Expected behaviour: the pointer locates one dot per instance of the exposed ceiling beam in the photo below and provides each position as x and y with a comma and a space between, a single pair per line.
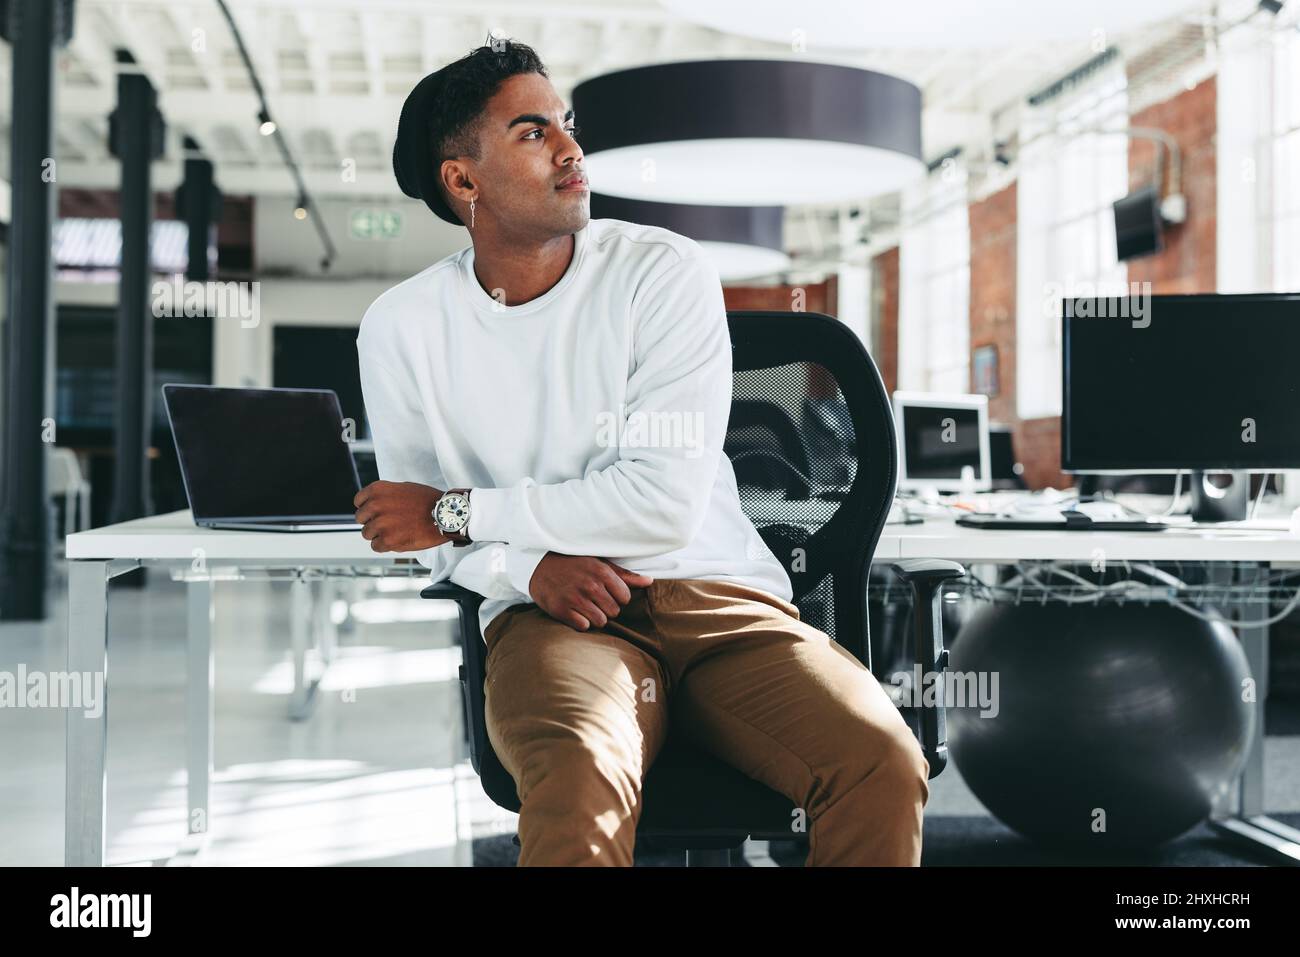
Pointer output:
639, 12
128, 34
259, 180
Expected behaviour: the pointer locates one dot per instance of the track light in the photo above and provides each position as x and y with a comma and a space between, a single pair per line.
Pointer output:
267, 127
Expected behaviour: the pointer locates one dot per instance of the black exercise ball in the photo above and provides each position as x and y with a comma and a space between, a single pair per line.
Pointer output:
1117, 726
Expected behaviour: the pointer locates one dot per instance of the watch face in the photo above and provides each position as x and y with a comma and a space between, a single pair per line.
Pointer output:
452, 512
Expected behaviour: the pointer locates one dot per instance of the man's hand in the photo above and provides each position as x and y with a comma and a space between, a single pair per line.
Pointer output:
398, 516
583, 592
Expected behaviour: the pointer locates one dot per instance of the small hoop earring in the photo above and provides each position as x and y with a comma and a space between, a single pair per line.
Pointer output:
471, 214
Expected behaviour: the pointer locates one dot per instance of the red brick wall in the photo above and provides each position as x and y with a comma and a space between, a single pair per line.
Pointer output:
884, 284
1187, 263
1038, 446
818, 297
993, 293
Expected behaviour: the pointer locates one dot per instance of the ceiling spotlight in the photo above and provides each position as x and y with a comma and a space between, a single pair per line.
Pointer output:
267, 126
300, 210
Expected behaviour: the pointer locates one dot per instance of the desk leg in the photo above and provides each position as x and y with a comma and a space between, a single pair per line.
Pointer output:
301, 627
326, 630
351, 590
198, 702
87, 737
1250, 825
1254, 642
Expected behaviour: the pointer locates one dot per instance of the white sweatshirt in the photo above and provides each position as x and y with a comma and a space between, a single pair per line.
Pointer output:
587, 421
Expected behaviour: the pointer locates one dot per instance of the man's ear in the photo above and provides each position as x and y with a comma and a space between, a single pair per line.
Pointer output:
455, 178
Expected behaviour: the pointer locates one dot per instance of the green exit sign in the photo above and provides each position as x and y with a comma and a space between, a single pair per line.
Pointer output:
375, 224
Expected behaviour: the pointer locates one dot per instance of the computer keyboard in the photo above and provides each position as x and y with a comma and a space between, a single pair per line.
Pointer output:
1064, 520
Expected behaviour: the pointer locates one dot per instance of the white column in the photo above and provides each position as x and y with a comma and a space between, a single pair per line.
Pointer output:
853, 282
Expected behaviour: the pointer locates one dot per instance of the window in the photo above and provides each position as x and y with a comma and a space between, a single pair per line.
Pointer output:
934, 285
92, 248
1285, 211
1071, 171
1258, 126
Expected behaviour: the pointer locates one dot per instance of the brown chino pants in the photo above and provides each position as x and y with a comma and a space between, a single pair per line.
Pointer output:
577, 718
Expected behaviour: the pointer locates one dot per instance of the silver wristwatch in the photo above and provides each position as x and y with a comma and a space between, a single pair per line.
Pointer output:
451, 515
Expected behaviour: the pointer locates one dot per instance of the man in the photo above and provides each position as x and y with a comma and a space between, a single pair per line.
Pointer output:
548, 408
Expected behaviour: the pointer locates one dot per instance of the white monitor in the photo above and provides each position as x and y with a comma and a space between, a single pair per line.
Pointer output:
938, 435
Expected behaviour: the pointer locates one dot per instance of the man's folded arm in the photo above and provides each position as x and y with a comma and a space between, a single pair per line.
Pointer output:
654, 497
494, 569
491, 569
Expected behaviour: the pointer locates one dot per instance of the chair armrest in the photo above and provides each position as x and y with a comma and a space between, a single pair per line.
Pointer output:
926, 576
451, 591
913, 570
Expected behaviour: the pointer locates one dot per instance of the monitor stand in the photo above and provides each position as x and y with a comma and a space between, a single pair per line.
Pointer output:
1210, 503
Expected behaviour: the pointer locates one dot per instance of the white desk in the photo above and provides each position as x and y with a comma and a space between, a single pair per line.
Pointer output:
199, 556
203, 555
1258, 546
943, 539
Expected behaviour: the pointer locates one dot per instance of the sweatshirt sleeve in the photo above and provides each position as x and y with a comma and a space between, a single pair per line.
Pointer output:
653, 498
404, 453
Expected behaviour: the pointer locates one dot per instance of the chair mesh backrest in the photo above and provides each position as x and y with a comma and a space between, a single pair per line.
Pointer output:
811, 440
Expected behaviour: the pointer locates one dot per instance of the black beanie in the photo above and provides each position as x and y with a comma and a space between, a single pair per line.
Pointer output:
413, 160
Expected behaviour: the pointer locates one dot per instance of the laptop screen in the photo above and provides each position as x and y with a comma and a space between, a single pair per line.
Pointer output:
262, 453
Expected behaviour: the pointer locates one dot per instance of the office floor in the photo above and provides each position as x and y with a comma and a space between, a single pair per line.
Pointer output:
377, 775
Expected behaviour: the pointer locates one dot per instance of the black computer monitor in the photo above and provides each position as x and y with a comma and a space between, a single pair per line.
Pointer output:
321, 357
85, 384
1181, 382
1005, 469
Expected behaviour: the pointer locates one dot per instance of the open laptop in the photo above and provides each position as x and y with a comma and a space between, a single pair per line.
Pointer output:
264, 459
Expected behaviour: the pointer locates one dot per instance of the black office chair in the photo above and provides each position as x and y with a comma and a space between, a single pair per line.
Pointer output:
692, 801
